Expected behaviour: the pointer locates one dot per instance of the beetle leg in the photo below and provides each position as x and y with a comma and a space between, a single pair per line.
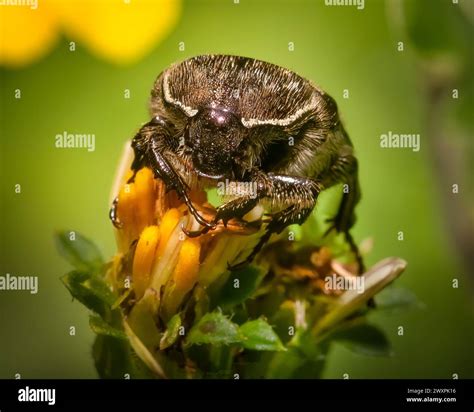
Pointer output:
279, 222
235, 208
199, 232
173, 180
150, 146
345, 170
299, 196
139, 145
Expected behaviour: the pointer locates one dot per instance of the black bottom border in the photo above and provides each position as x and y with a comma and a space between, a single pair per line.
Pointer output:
84, 393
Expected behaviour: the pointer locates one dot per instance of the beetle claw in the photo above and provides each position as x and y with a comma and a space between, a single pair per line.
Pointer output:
196, 233
200, 219
224, 221
113, 216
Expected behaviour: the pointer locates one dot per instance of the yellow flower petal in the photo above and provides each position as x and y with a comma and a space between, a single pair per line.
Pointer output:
126, 209
136, 207
122, 31
167, 225
143, 259
185, 274
145, 201
26, 34
184, 277
126, 204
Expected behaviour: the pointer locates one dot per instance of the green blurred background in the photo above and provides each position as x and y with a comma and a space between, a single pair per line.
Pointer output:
336, 47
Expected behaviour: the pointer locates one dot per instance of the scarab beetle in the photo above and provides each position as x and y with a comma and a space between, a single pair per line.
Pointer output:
227, 117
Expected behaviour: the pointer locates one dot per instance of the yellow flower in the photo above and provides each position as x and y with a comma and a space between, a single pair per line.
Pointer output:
166, 264
26, 34
120, 31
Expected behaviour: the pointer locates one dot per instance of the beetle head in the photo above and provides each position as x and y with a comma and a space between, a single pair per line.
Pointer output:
213, 136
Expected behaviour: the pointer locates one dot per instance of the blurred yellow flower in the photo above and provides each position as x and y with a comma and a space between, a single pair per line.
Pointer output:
120, 31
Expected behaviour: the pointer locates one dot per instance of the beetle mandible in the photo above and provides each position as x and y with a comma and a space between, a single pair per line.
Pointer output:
229, 117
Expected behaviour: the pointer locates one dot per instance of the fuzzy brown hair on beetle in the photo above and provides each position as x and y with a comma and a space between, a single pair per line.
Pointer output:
220, 117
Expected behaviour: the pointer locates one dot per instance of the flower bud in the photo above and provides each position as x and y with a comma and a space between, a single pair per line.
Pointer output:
143, 260
126, 212
145, 197
184, 277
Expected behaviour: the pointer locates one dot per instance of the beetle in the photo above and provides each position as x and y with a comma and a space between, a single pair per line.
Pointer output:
220, 117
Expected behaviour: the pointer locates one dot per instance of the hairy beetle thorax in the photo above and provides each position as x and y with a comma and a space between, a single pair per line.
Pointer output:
255, 91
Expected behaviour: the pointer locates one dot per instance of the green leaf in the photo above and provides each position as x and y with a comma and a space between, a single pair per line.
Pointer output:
293, 364
82, 253
171, 334
240, 286
115, 359
100, 327
259, 335
363, 338
395, 298
111, 357
214, 328
305, 358
307, 345
90, 291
